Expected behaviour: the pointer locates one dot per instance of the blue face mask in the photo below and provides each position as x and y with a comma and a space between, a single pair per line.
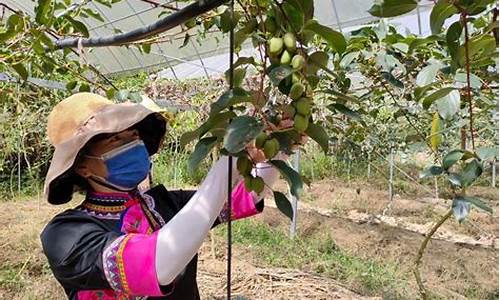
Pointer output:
127, 166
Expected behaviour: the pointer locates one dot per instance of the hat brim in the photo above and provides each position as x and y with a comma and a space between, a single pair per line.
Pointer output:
60, 179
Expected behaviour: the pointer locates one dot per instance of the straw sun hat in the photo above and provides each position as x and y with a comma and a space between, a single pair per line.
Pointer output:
76, 120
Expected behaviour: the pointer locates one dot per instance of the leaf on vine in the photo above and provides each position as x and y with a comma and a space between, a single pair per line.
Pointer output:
283, 204
240, 132
279, 73
440, 12
340, 96
232, 97
455, 179
436, 127
452, 157
43, 11
471, 172
460, 208
486, 153
291, 176
201, 150
477, 202
146, 48
392, 8
431, 171
335, 39
295, 16
337, 107
449, 105
392, 80
318, 134
78, 26
211, 123
427, 102
21, 70
317, 60
428, 74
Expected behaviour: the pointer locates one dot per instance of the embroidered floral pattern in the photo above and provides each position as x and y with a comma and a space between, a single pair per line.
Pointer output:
110, 264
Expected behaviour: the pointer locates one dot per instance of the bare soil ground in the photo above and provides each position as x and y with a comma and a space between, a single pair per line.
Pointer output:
453, 270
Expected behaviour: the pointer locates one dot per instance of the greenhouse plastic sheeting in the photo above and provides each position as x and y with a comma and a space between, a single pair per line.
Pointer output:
209, 56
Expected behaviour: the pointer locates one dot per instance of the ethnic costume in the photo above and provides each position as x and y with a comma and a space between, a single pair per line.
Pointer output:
119, 243
104, 248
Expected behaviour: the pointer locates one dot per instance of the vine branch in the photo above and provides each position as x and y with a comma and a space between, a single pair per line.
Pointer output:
418, 260
463, 17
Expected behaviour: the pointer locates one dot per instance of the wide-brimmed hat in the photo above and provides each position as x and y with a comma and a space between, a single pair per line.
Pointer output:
76, 120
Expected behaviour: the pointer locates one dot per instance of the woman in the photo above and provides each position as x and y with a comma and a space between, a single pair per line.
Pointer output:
121, 243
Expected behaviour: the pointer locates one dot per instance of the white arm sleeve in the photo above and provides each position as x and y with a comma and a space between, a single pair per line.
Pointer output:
180, 239
269, 174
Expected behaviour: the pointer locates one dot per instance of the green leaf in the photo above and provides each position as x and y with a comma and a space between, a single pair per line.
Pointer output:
449, 105
427, 74
487, 153
454, 32
201, 150
21, 70
461, 209
230, 98
436, 127
317, 60
427, 102
392, 80
283, 204
295, 16
71, 85
440, 12
451, 158
79, 26
279, 73
348, 59
480, 47
146, 48
43, 11
431, 171
84, 87
476, 202
392, 8
94, 14
110, 93
455, 179
291, 176
340, 96
318, 134
240, 132
334, 38
244, 61
421, 42
337, 107
225, 21
475, 81
471, 172
239, 75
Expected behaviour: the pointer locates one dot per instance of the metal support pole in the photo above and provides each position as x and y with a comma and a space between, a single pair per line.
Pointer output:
369, 171
419, 21
391, 173
295, 200
493, 173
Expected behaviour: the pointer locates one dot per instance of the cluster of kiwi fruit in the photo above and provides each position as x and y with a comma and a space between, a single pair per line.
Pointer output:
283, 51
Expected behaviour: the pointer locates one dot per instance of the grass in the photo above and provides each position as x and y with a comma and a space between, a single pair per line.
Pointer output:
317, 253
